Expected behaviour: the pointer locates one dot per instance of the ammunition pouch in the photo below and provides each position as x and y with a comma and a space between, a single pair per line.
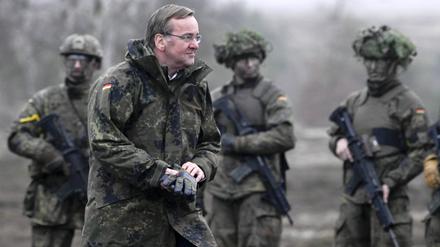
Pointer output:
390, 137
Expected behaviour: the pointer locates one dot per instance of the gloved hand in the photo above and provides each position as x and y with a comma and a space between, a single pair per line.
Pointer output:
52, 161
183, 185
227, 142
168, 182
58, 165
186, 186
431, 171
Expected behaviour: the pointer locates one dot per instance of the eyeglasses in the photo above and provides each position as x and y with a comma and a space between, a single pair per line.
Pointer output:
187, 37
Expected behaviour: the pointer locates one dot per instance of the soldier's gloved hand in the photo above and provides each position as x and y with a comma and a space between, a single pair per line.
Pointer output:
57, 165
431, 171
168, 182
185, 186
228, 143
52, 161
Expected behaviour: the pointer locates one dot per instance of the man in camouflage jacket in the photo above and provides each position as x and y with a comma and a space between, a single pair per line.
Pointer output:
393, 121
53, 219
153, 140
241, 215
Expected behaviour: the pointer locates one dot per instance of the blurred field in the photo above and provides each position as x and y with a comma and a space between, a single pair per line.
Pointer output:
314, 192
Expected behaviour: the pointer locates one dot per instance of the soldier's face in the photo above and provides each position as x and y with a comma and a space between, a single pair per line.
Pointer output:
182, 43
79, 68
380, 69
247, 68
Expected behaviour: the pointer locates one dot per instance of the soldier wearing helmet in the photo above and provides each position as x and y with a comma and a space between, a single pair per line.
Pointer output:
53, 217
393, 122
431, 174
241, 216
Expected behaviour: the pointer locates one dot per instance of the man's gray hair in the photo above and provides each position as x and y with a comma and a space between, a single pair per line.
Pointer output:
158, 21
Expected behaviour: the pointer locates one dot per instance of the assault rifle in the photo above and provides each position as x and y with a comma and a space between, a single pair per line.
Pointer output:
434, 132
254, 163
363, 168
78, 169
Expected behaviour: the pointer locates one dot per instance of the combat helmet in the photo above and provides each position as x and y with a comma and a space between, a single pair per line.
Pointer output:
82, 44
384, 43
240, 44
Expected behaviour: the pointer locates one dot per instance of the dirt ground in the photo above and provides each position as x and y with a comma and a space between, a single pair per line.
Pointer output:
314, 193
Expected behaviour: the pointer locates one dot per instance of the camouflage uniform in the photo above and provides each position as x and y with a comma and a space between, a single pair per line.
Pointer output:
138, 118
240, 214
432, 229
397, 120
432, 179
53, 220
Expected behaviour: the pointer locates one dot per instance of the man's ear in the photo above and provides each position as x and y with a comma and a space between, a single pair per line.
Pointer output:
159, 41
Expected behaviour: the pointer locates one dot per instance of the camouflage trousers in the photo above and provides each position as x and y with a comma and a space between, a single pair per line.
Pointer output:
51, 236
358, 225
246, 222
432, 230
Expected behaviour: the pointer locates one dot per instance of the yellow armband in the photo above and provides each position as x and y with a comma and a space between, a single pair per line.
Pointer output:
32, 118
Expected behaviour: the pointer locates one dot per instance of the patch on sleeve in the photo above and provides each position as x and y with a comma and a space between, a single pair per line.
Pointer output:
420, 111
282, 98
106, 86
31, 118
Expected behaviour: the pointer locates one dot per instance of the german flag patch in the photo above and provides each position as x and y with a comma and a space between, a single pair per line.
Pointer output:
282, 98
107, 86
420, 111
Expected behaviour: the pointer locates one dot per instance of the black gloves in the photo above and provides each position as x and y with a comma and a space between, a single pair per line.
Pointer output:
182, 184
52, 161
228, 142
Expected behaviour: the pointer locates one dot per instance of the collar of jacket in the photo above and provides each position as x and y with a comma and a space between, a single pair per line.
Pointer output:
143, 58
77, 91
391, 93
232, 85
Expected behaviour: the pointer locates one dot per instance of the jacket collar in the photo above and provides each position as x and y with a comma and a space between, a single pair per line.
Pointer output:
143, 58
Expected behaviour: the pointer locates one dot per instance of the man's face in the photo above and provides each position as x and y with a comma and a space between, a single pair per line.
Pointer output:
380, 69
79, 68
247, 68
181, 43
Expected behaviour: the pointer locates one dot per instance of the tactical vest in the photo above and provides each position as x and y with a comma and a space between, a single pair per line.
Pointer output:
374, 120
251, 101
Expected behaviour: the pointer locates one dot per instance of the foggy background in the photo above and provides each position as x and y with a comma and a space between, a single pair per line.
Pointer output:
311, 60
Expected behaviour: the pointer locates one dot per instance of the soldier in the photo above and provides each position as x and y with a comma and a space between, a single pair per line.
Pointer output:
432, 178
393, 119
54, 219
241, 215
153, 140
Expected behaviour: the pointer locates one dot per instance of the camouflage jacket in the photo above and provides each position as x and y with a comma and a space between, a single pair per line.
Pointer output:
27, 140
268, 110
398, 123
137, 116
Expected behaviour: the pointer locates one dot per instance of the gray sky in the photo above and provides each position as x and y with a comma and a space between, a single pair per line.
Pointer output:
358, 7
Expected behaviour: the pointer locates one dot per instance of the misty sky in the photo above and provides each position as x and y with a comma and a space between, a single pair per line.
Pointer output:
359, 7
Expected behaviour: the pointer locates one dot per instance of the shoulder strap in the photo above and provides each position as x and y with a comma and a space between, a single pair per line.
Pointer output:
265, 91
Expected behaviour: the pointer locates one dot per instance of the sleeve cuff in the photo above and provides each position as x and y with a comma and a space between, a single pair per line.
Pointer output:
205, 168
332, 144
239, 143
159, 171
